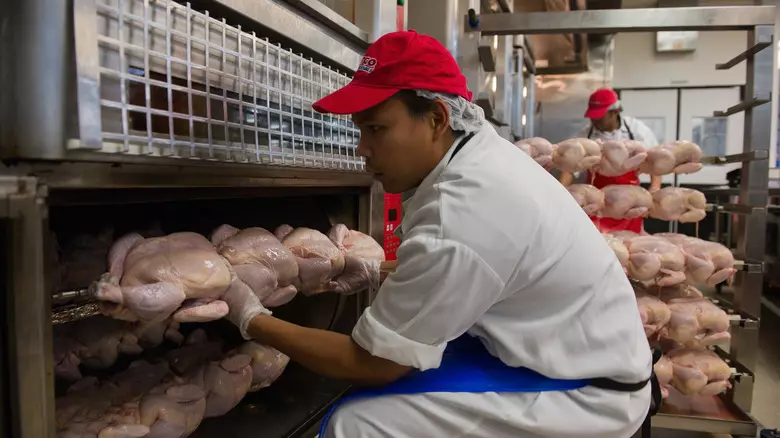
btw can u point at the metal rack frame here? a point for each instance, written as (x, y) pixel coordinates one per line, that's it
(758, 21)
(145, 81)
(65, 136)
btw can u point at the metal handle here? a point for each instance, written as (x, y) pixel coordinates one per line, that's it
(473, 18)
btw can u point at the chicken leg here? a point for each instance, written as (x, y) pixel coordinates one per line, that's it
(173, 412)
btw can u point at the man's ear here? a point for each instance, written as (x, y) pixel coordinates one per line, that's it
(440, 118)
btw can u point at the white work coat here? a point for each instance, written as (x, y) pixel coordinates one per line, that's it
(494, 246)
(628, 124)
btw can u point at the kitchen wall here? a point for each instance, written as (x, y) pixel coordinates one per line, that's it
(637, 65)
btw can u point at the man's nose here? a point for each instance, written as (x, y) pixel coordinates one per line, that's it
(363, 150)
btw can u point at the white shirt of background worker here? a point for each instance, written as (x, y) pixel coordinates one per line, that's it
(494, 250)
(608, 123)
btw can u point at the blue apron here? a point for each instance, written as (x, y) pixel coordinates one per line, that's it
(466, 366)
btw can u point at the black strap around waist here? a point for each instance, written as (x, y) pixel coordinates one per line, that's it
(613, 385)
(655, 405)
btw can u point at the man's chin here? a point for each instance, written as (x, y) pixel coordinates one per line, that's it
(388, 187)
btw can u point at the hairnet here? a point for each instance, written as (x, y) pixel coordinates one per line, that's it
(464, 115)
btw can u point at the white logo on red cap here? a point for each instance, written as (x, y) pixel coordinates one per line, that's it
(367, 64)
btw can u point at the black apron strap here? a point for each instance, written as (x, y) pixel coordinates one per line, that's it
(460, 145)
(590, 132)
(630, 134)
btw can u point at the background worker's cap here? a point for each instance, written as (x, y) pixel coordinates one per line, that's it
(600, 102)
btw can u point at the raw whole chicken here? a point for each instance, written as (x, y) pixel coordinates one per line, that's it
(588, 197)
(226, 382)
(94, 342)
(667, 294)
(319, 260)
(619, 248)
(697, 322)
(664, 371)
(282, 231)
(655, 258)
(110, 408)
(537, 148)
(621, 156)
(151, 334)
(173, 410)
(196, 353)
(672, 157)
(259, 260)
(699, 372)
(355, 243)
(625, 234)
(626, 202)
(267, 364)
(358, 248)
(84, 402)
(149, 279)
(706, 262)
(576, 155)
(679, 204)
(655, 314)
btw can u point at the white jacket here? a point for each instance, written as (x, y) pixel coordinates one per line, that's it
(494, 246)
(641, 132)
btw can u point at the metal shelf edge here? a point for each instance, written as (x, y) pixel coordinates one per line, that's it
(744, 106)
(761, 154)
(763, 43)
(624, 20)
(704, 424)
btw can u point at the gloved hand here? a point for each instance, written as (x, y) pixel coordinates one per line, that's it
(243, 305)
(358, 274)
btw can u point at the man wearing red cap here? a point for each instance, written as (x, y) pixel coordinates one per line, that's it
(607, 123)
(507, 315)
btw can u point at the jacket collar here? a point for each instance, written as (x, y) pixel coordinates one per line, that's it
(410, 201)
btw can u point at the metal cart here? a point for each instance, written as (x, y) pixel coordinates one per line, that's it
(753, 195)
(138, 111)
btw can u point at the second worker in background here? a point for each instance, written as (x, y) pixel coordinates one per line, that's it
(607, 123)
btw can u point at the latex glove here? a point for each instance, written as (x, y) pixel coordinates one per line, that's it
(358, 274)
(243, 306)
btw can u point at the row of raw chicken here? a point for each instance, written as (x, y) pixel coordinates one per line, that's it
(182, 276)
(677, 318)
(668, 259)
(628, 202)
(170, 397)
(614, 157)
(683, 324)
(155, 284)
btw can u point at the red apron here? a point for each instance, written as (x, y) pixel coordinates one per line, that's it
(605, 224)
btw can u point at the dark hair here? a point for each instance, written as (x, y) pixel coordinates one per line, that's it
(416, 105)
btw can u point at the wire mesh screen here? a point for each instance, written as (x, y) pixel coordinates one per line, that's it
(175, 82)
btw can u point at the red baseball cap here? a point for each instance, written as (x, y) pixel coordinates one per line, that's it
(397, 61)
(600, 102)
